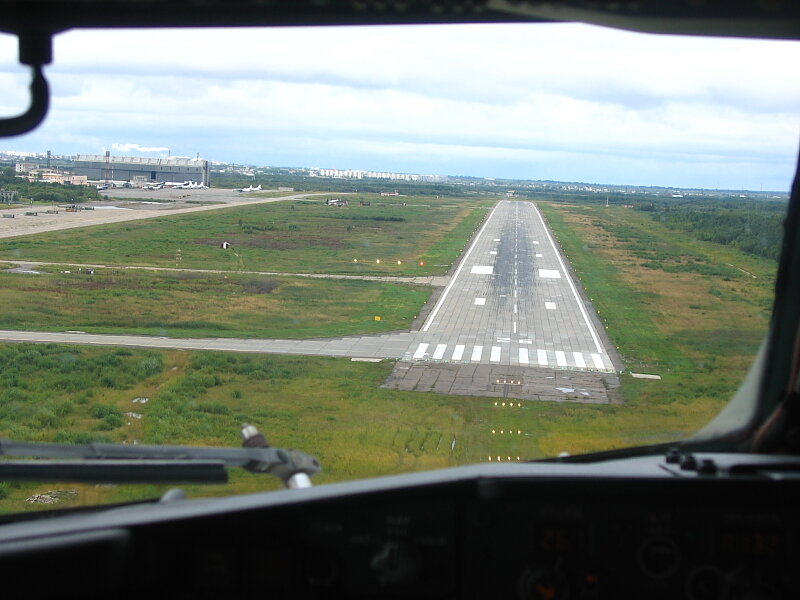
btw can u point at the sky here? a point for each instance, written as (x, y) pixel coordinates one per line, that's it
(564, 102)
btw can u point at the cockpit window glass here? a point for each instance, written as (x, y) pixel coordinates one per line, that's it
(394, 248)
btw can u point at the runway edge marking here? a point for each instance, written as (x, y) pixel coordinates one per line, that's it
(442, 298)
(586, 319)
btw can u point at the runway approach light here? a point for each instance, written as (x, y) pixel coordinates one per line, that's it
(378, 261)
(422, 263)
(399, 262)
(355, 260)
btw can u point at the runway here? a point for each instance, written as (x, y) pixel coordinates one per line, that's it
(513, 301)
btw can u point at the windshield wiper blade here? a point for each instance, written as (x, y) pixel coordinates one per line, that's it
(121, 463)
(117, 471)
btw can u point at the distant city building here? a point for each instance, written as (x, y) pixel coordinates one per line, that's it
(24, 167)
(97, 167)
(359, 174)
(58, 177)
(18, 154)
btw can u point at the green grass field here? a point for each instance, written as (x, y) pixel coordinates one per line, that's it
(332, 408)
(692, 312)
(288, 237)
(187, 304)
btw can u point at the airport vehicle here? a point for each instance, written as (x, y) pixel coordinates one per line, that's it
(714, 516)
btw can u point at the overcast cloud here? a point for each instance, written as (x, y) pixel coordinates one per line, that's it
(564, 102)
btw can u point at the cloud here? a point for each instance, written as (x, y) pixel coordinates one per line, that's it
(448, 99)
(137, 148)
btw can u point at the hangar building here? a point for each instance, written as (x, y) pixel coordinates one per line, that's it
(138, 169)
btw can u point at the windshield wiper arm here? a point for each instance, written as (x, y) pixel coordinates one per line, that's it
(120, 463)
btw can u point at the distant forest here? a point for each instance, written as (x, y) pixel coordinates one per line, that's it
(754, 226)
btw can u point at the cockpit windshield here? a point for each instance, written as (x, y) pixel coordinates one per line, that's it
(394, 248)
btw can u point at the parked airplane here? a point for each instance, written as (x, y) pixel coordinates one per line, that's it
(189, 185)
(108, 183)
(249, 189)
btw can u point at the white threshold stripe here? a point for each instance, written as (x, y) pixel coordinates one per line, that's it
(495, 355)
(436, 308)
(579, 360)
(541, 356)
(420, 351)
(598, 361)
(476, 352)
(439, 352)
(561, 359)
(523, 356)
(569, 281)
(458, 352)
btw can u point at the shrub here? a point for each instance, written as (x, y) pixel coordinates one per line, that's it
(149, 366)
(111, 415)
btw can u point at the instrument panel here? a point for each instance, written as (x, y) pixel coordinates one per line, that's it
(478, 533)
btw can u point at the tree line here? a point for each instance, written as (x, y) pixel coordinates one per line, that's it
(753, 226)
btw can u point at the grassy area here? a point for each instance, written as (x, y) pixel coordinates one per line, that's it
(693, 312)
(330, 407)
(187, 304)
(290, 237)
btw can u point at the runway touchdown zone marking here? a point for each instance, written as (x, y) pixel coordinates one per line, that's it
(482, 270)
